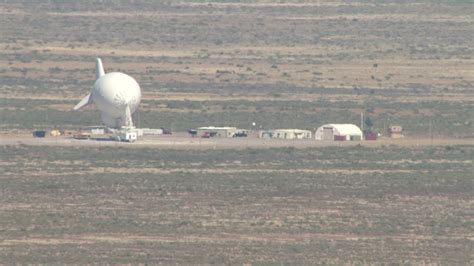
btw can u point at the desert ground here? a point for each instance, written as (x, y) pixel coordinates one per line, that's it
(280, 65)
(182, 200)
(184, 141)
(324, 205)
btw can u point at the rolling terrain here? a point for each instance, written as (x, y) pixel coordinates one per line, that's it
(299, 64)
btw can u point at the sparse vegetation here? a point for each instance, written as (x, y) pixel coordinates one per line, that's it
(239, 206)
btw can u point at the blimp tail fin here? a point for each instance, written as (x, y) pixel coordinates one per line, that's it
(85, 101)
(99, 68)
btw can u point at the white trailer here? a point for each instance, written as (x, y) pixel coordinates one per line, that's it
(126, 136)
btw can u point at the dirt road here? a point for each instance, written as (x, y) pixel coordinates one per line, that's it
(182, 141)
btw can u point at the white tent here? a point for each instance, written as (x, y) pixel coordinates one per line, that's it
(334, 131)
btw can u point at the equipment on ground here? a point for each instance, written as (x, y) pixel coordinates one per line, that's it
(55, 133)
(126, 136)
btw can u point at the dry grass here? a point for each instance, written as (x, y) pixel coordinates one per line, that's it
(281, 205)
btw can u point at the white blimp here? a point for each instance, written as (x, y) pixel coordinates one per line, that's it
(117, 96)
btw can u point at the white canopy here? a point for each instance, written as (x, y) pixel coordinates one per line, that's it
(339, 130)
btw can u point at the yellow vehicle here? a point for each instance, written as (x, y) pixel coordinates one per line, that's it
(55, 133)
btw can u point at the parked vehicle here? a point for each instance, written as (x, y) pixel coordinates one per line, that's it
(82, 135)
(193, 132)
(39, 133)
(166, 131)
(240, 135)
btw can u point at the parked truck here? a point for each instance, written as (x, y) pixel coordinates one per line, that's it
(82, 135)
